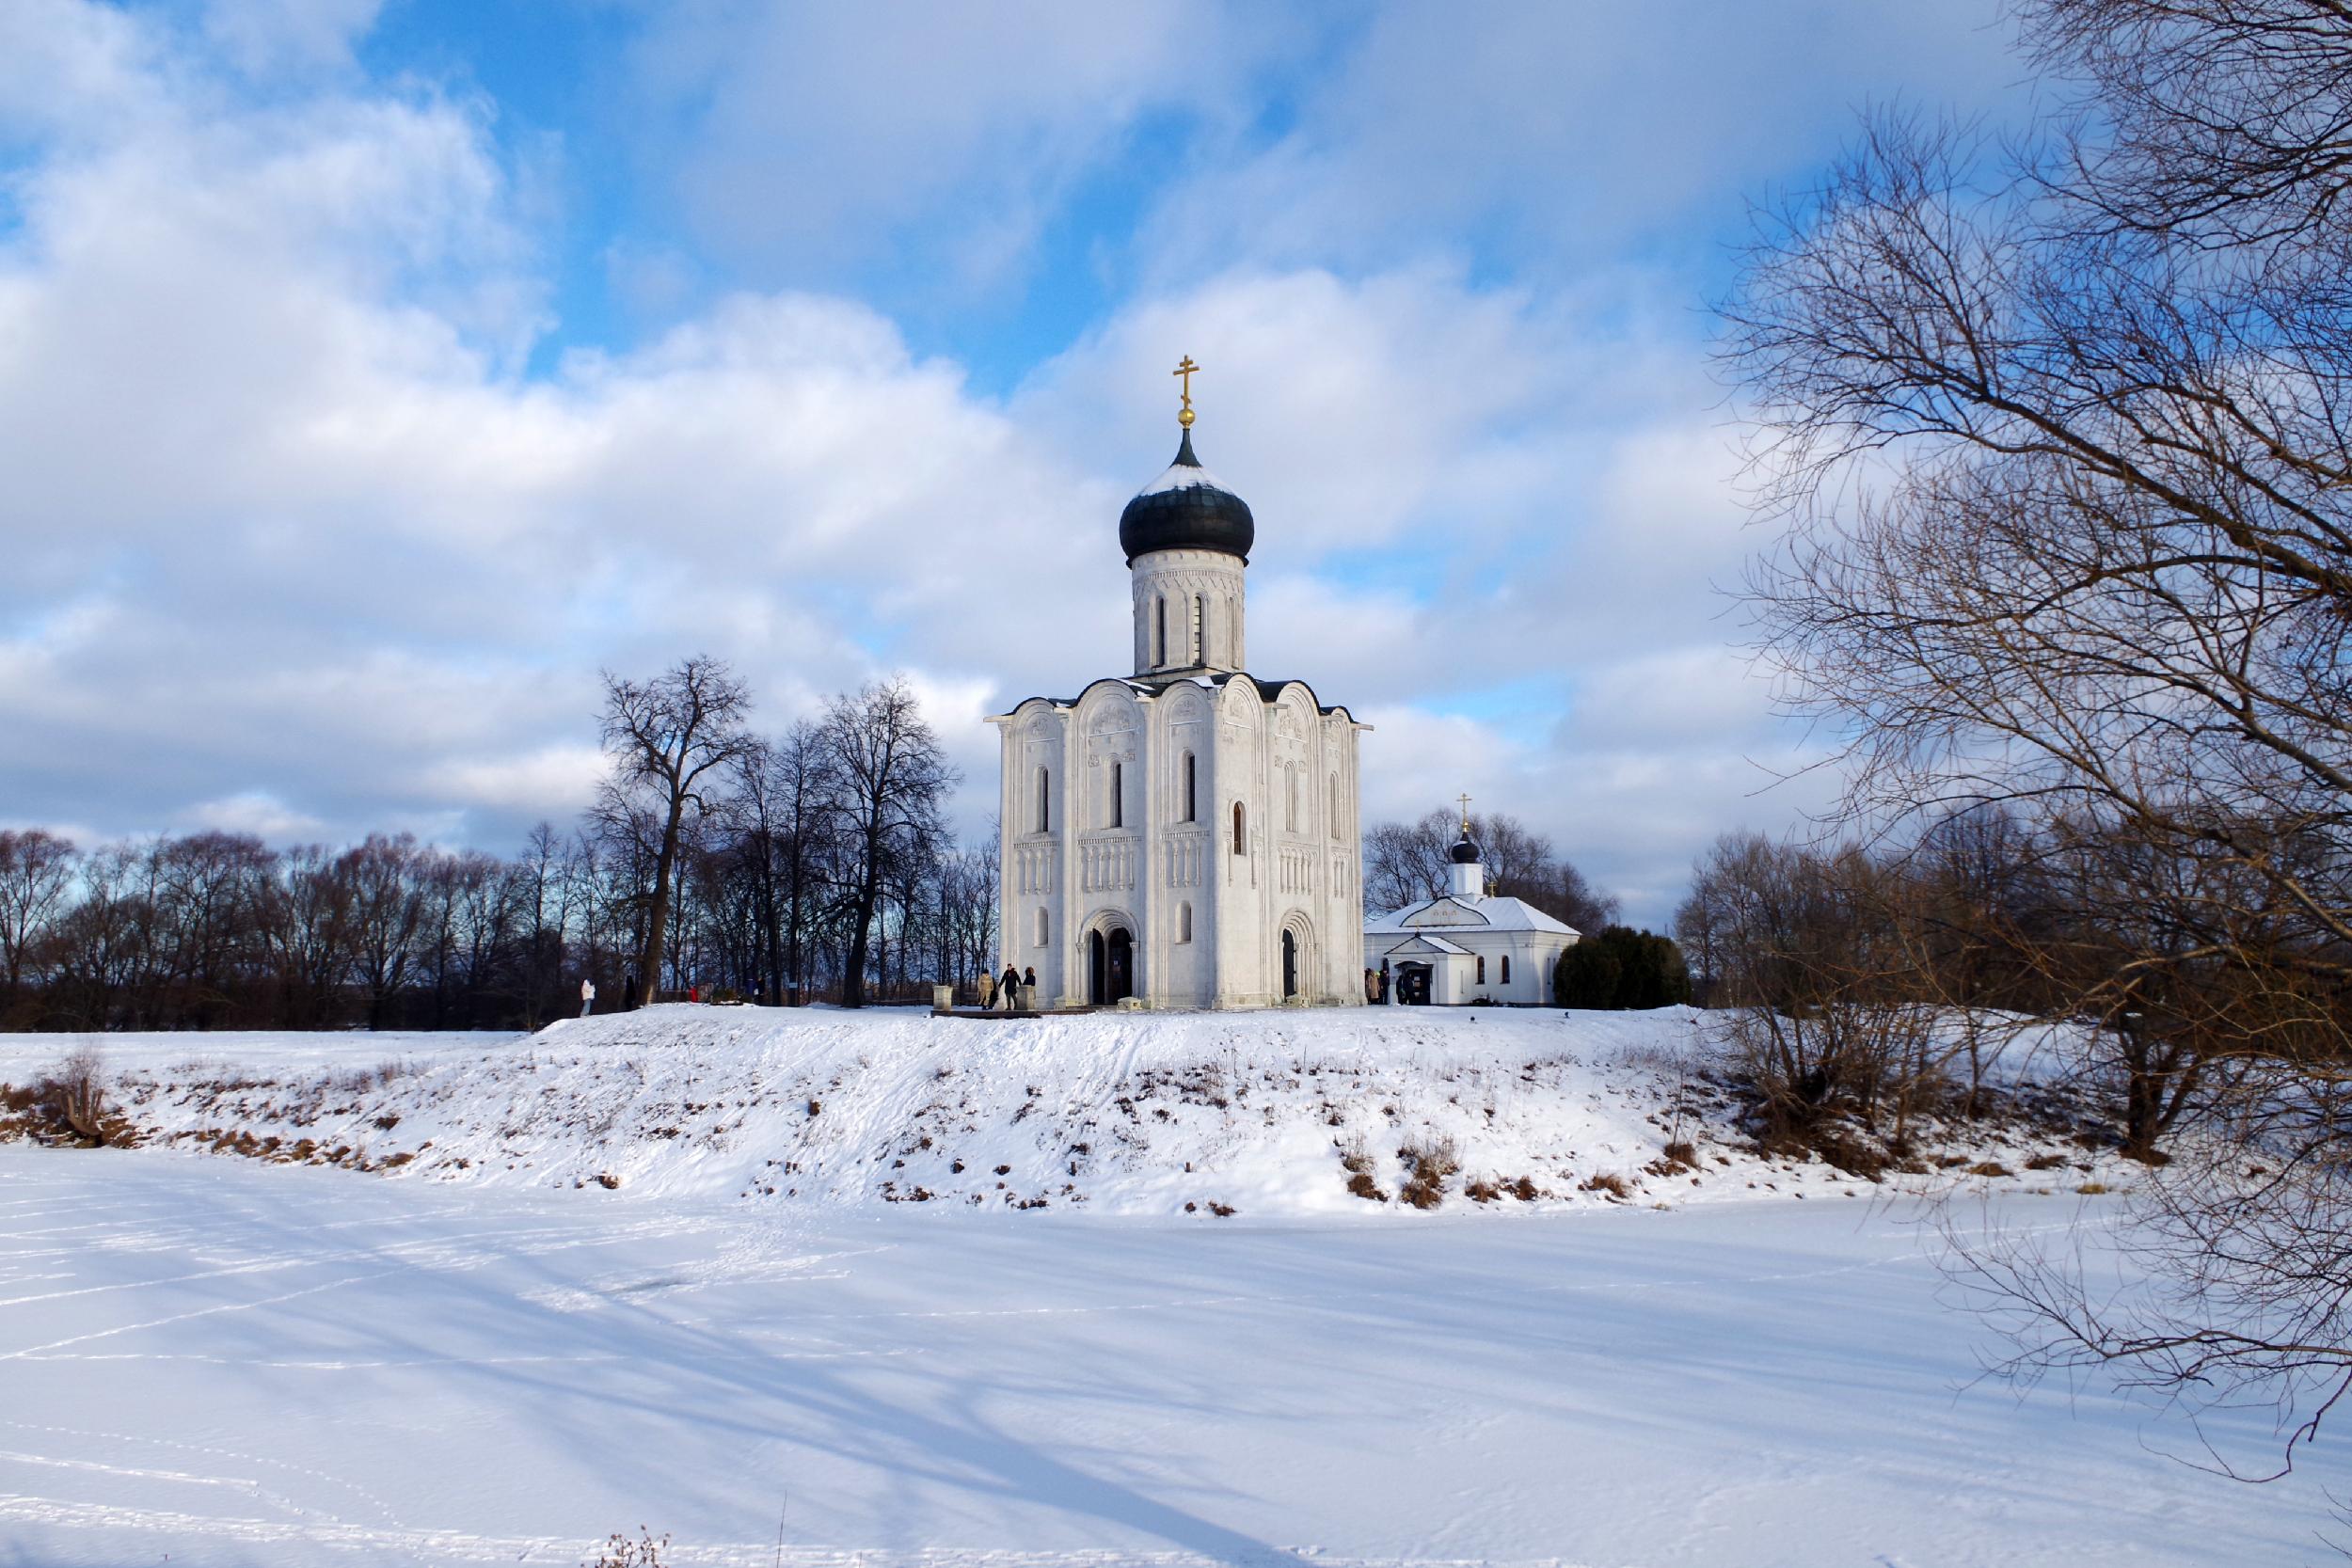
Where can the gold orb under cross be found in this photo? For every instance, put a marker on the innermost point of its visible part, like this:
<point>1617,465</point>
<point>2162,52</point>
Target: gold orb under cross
<point>1184,371</point>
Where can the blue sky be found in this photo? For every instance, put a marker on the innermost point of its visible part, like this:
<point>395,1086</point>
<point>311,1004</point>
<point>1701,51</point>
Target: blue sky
<point>372,371</point>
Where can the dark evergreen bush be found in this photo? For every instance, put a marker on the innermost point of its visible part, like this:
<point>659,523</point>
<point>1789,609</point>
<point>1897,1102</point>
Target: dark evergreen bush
<point>1620,967</point>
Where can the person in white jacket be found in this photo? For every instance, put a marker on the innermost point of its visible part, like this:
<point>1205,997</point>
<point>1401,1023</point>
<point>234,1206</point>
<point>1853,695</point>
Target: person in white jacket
<point>587,997</point>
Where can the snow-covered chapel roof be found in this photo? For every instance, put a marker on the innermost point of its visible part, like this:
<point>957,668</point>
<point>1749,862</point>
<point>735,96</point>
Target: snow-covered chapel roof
<point>1459,916</point>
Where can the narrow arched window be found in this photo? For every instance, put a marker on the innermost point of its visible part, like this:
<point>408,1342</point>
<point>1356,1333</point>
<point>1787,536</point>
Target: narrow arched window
<point>1241,837</point>
<point>1044,801</point>
<point>1042,934</point>
<point>1482,969</point>
<point>1192,796</point>
<point>1119,794</point>
<point>1159,638</point>
<point>1184,922</point>
<point>1506,969</point>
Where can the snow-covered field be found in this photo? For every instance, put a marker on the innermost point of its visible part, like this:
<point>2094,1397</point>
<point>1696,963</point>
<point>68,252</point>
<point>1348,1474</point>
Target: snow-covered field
<point>1134,1114</point>
<point>213,1361</point>
<point>481,1352</point>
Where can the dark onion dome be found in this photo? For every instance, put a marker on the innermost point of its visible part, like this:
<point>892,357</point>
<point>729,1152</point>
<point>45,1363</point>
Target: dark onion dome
<point>1466,850</point>
<point>1186,508</point>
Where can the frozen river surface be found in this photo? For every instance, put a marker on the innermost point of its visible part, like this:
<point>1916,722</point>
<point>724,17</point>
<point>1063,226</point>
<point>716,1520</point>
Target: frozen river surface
<point>212,1361</point>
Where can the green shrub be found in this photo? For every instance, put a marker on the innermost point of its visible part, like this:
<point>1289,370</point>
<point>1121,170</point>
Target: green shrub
<point>1619,967</point>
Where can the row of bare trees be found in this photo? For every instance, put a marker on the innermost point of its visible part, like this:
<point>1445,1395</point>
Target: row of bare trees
<point>1873,980</point>
<point>811,865</point>
<point>2053,436</point>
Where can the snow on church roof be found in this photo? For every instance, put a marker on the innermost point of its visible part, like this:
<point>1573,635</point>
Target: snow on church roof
<point>1184,476</point>
<point>1465,916</point>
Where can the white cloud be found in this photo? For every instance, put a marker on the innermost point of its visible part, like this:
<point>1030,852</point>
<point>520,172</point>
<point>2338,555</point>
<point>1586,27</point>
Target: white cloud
<point>293,542</point>
<point>266,38</point>
<point>1556,136</point>
<point>931,137</point>
<point>256,811</point>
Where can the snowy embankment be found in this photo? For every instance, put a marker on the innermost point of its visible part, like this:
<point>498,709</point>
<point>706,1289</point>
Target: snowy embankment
<point>1274,1112</point>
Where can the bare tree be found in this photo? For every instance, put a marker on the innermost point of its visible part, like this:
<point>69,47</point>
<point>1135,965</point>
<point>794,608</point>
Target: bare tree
<point>313,935</point>
<point>666,736</point>
<point>387,913</point>
<point>891,777</point>
<point>2056,432</point>
<point>36,869</point>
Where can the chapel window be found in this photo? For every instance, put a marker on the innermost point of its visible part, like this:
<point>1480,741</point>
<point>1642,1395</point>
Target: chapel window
<point>1043,935</point>
<point>1191,789</point>
<point>1241,837</point>
<point>1184,922</point>
<point>1482,969</point>
<point>1159,637</point>
<point>1119,794</point>
<point>1506,969</point>
<point>1044,801</point>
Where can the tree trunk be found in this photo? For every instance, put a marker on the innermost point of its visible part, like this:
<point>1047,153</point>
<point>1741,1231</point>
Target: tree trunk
<point>649,961</point>
<point>854,968</point>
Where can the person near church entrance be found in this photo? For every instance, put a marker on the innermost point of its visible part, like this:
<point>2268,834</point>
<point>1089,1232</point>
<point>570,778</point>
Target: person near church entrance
<point>587,997</point>
<point>1028,985</point>
<point>988,990</point>
<point>1009,987</point>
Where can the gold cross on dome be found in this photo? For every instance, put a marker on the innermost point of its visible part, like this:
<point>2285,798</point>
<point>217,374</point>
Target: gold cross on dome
<point>1466,800</point>
<point>1185,369</point>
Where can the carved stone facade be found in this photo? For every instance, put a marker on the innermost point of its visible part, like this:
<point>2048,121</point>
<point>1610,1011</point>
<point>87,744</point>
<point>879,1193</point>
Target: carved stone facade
<point>1187,835</point>
<point>1210,821</point>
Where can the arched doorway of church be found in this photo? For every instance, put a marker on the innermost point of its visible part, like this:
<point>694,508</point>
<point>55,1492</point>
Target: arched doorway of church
<point>1110,966</point>
<point>1290,963</point>
<point>1412,985</point>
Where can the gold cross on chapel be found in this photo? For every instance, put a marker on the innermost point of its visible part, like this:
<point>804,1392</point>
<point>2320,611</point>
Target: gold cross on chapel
<point>1466,800</point>
<point>1184,371</point>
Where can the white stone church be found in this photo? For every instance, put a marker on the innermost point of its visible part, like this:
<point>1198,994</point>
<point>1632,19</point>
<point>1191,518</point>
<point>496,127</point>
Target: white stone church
<point>1186,835</point>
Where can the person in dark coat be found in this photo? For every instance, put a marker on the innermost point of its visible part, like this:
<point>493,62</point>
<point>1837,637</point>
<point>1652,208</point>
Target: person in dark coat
<point>1028,985</point>
<point>629,996</point>
<point>1009,987</point>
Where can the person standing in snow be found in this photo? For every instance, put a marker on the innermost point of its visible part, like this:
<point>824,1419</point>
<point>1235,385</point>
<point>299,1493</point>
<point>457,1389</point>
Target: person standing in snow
<point>988,990</point>
<point>629,994</point>
<point>1009,987</point>
<point>1028,985</point>
<point>587,997</point>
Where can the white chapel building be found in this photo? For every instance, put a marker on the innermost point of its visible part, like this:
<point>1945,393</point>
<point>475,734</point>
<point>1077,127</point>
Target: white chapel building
<point>1467,945</point>
<point>1186,835</point>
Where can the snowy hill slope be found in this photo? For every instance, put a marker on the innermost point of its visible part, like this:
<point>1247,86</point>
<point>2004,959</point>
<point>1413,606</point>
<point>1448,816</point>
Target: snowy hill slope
<point>1264,1114</point>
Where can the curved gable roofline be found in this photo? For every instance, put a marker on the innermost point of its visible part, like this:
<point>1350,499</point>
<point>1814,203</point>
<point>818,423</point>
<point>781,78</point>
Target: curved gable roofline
<point>1143,693</point>
<point>1110,687</point>
<point>1270,692</point>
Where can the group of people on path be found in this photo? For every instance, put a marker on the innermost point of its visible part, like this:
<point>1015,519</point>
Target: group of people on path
<point>1015,987</point>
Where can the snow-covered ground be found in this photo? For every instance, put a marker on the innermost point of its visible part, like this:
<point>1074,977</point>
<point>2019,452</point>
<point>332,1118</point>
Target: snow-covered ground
<point>1131,1113</point>
<point>215,1361</point>
<point>1065,1293</point>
